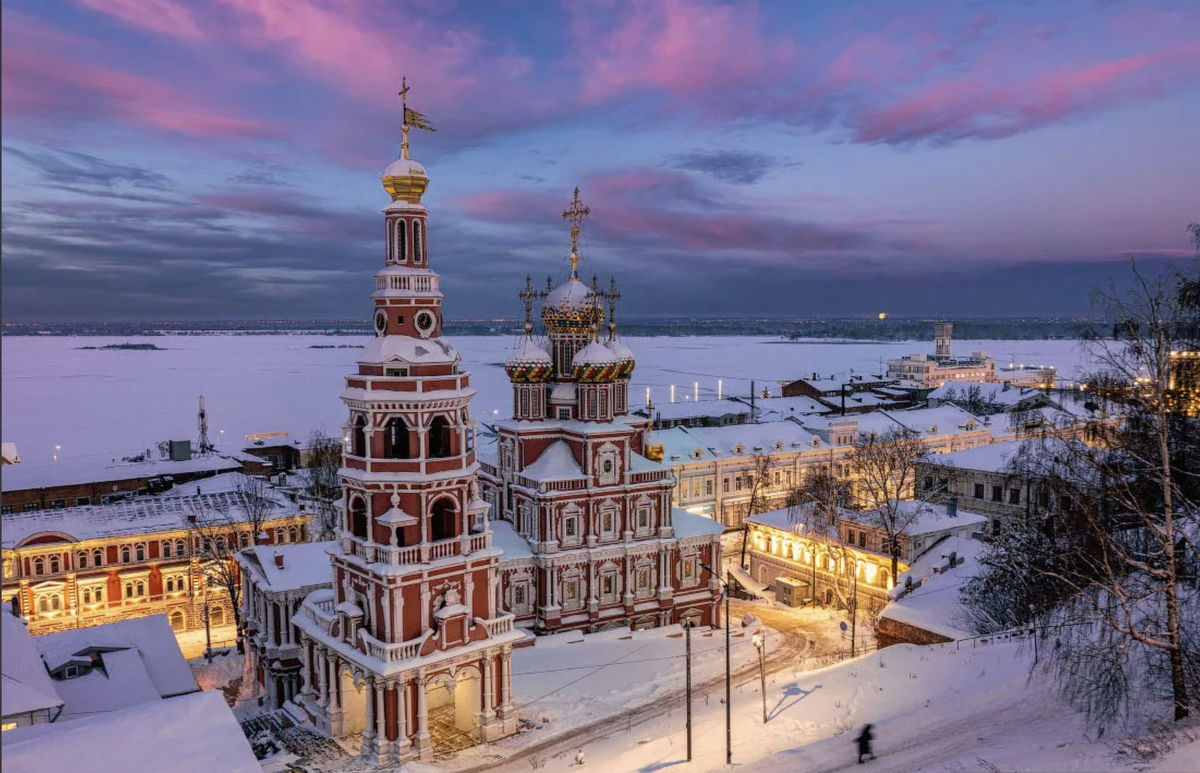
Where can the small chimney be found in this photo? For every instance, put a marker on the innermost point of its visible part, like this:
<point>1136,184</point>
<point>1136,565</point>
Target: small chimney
<point>952,507</point>
<point>262,539</point>
<point>279,560</point>
<point>192,518</point>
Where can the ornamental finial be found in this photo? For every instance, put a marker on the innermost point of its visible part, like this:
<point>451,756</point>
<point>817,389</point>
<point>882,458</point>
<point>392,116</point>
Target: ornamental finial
<point>575,214</point>
<point>412,119</point>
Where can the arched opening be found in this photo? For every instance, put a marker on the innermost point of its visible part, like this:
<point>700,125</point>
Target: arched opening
<point>440,433</point>
<point>401,241</point>
<point>358,436</point>
<point>81,560</point>
<point>395,439</point>
<point>418,254</point>
<point>454,706</point>
<point>177,621</point>
<point>292,534</point>
<point>54,565</point>
<point>358,517</point>
<point>354,705</point>
<point>442,517</point>
<point>216,616</point>
<point>97,558</point>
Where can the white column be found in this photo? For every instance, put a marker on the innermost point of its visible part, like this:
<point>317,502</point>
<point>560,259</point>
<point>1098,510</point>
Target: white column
<point>381,714</point>
<point>403,688</point>
<point>368,734</point>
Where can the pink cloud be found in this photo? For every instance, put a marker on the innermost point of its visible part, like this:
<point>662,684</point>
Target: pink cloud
<point>972,106</point>
<point>681,47</point>
<point>167,17</point>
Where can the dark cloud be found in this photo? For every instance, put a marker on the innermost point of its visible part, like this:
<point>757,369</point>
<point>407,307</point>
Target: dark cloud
<point>740,167</point>
<point>75,170</point>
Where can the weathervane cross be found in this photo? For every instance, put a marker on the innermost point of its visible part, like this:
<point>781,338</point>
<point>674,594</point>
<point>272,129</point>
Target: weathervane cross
<point>575,214</point>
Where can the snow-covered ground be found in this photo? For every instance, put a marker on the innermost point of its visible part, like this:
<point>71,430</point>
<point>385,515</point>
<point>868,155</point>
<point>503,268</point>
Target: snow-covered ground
<point>97,403</point>
<point>934,709</point>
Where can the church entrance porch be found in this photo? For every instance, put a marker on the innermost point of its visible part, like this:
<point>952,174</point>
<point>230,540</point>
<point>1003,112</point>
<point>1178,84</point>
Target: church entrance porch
<point>454,704</point>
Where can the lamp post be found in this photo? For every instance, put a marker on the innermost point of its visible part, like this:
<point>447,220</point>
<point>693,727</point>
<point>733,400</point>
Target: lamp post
<point>728,682</point>
<point>760,643</point>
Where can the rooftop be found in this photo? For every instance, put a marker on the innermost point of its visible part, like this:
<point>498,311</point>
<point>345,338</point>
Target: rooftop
<point>936,605</point>
<point>27,685</point>
<point>34,475</point>
<point>694,409</point>
<point>506,538</point>
<point>305,565</point>
<point>556,463</point>
<point>712,443</point>
<point>994,457</point>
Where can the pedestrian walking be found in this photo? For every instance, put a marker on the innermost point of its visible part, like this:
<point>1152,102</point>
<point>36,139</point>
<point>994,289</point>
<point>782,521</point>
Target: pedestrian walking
<point>864,744</point>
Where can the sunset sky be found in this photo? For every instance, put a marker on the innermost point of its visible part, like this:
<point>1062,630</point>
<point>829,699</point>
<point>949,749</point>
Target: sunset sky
<point>180,159</point>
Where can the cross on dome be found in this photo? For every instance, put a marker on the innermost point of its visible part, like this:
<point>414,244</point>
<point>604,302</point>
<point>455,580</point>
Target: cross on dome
<point>575,214</point>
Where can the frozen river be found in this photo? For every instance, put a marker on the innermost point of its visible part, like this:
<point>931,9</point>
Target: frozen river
<point>104,403</point>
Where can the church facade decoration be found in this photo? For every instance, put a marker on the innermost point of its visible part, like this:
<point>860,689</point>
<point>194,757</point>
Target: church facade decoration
<point>570,474</point>
<point>411,636</point>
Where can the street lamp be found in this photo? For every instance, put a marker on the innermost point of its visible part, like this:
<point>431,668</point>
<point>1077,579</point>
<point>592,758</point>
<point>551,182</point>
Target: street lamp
<point>728,684</point>
<point>760,643</point>
<point>56,450</point>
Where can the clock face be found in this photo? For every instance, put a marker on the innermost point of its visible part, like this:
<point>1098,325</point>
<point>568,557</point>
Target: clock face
<point>425,323</point>
<point>380,322</point>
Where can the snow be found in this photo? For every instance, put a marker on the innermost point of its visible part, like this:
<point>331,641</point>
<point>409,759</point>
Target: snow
<point>691,525</point>
<point>121,682</point>
<point>255,383</point>
<point>994,457</point>
<point>150,641</point>
<point>528,351</point>
<point>32,475</point>
<point>190,734</point>
<point>505,537</point>
<point>131,516</point>
<point>779,408</point>
<point>594,353</point>
<point>936,605</point>
<point>929,518</point>
<point>682,444</point>
<point>570,293</point>
<point>305,564</point>
<point>27,685</point>
<point>9,452</point>
<point>556,463</point>
<point>690,409</point>
<point>422,351</point>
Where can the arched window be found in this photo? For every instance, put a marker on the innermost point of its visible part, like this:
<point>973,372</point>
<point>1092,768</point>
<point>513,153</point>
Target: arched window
<point>220,543</point>
<point>128,590</point>
<point>388,244</point>
<point>292,534</point>
<point>358,517</point>
<point>439,438</point>
<point>418,253</point>
<point>401,253</point>
<point>125,554</point>
<point>244,540</point>
<point>39,565</point>
<point>442,520</point>
<point>180,547</point>
<point>358,436</point>
<point>81,559</point>
<point>166,549</point>
<point>97,557</point>
<point>140,552</point>
<point>170,585</point>
<point>395,439</point>
<point>177,621</point>
<point>279,536</point>
<point>141,588</point>
<point>217,616</point>
<point>55,565</point>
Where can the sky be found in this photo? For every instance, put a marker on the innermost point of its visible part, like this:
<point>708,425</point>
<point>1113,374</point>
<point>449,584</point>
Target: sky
<point>215,159</point>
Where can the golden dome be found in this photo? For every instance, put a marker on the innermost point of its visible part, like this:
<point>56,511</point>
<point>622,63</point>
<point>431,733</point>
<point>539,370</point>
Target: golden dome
<point>405,179</point>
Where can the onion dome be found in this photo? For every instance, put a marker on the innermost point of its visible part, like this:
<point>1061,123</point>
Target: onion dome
<point>405,180</point>
<point>595,363</point>
<point>529,363</point>
<point>572,307</point>
<point>622,353</point>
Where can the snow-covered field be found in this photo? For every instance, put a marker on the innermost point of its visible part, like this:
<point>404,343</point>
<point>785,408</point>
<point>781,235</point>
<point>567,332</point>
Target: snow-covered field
<point>103,403</point>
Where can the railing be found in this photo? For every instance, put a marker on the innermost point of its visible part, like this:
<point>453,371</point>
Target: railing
<point>400,556</point>
<point>442,549</point>
<point>419,283</point>
<point>481,541</point>
<point>391,653</point>
<point>500,625</point>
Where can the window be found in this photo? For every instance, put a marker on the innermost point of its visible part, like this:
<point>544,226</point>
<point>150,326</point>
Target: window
<point>708,488</point>
<point>395,439</point>
<point>607,521</point>
<point>608,584</point>
<point>725,485</point>
<point>180,548</point>
<point>82,501</point>
<point>125,554</point>
<point>358,436</point>
<point>31,507</point>
<point>979,491</point>
<point>57,504</point>
<point>1014,496</point>
<point>570,527</point>
<point>81,559</point>
<point>418,252</point>
<point>55,565</point>
<point>442,520</point>
<point>93,594</point>
<point>401,241</point>
<point>39,565</point>
<point>1043,499</point>
<point>141,551</point>
<point>519,595</point>
<point>244,540</point>
<point>928,482</point>
<point>643,579</point>
<point>643,517</point>
<point>97,557</point>
<point>166,549</point>
<point>564,413</point>
<point>862,539</point>
<point>177,620</point>
<point>6,509</point>
<point>439,438</point>
<point>292,534</point>
<point>570,590</point>
<point>850,536</point>
<point>997,493</point>
<point>217,616</point>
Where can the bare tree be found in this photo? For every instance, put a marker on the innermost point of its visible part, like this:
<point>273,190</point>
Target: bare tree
<point>222,526</point>
<point>759,477</point>
<point>323,485</point>
<point>884,468</point>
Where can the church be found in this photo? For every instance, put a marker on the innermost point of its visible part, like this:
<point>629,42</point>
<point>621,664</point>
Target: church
<point>598,544</point>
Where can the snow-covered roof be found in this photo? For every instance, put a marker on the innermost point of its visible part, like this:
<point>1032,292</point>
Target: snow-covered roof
<point>418,351</point>
<point>1001,395</point>
<point>506,538</point>
<point>940,421</point>
<point>34,475</point>
<point>780,408</point>
<point>27,686</point>
<point>639,463</point>
<point>305,565</point>
<point>556,463</point>
<point>594,353</point>
<point>925,518</point>
<point>144,515</point>
<point>684,444</point>
<point>691,525</point>
<point>796,520</point>
<point>570,293</point>
<point>936,605</point>
<point>194,733</point>
<point>994,457</point>
<point>9,452</point>
<point>697,409</point>
<point>528,351</point>
<point>150,640</point>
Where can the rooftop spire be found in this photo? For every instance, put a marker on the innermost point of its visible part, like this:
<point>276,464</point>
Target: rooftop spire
<point>412,119</point>
<point>575,214</point>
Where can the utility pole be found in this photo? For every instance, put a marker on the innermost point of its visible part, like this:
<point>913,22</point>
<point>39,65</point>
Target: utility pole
<point>688,637</point>
<point>854,615</point>
<point>207,631</point>
<point>760,643</point>
<point>753,418</point>
<point>728,678</point>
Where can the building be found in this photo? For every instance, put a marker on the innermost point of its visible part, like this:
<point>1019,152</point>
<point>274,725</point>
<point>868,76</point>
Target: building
<point>275,581</point>
<point>1183,382</point>
<point>9,454</point>
<point>274,447</point>
<point>32,486</point>
<point>990,398</point>
<point>570,472</point>
<point>1033,376</point>
<point>409,648</point>
<point>96,564</point>
<point>28,696</point>
<point>697,413</point>
<point>113,666</point>
<point>714,466</point>
<point>924,371</point>
<point>834,387</point>
<point>195,733</point>
<point>849,552</point>
<point>926,605</point>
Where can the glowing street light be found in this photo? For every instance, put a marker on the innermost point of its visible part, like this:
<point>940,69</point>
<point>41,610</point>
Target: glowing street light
<point>56,450</point>
<point>760,643</point>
